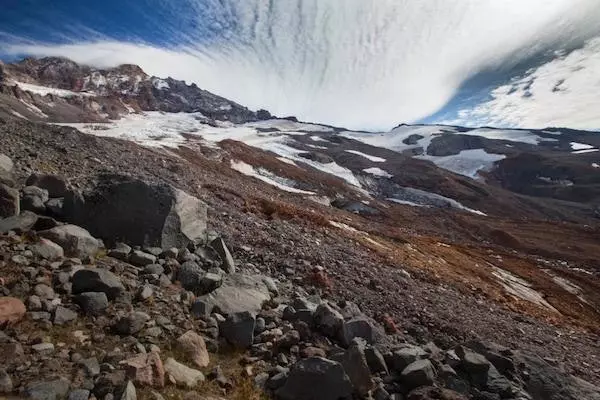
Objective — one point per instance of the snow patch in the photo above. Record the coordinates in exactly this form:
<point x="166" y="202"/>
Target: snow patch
<point x="44" y="90"/>
<point x="520" y="288"/>
<point x="585" y="151"/>
<point x="580" y="146"/>
<point x="407" y="195"/>
<point x="377" y="172"/>
<point x="367" y="156"/>
<point x="267" y="177"/>
<point x="17" y="114"/>
<point x="595" y="165"/>
<point x="160" y="84"/>
<point x="467" y="162"/>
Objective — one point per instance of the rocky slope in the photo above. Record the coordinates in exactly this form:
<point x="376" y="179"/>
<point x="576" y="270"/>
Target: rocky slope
<point x="218" y="259"/>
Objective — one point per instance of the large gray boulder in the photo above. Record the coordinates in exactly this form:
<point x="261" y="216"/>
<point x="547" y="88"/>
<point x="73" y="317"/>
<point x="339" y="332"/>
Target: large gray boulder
<point x="316" y="378"/>
<point x="76" y="241"/>
<point x="237" y="293"/>
<point x="19" y="223"/>
<point x="9" y="201"/>
<point x="138" y="213"/>
<point x="56" y="186"/>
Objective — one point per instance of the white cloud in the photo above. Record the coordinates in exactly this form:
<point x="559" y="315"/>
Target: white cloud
<point x="355" y="63"/>
<point x="564" y="92"/>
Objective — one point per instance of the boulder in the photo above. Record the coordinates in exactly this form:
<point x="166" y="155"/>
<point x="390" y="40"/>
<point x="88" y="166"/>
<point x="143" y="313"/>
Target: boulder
<point x="48" y="250"/>
<point x="137" y="212"/>
<point x="418" y="373"/>
<point x="120" y="252"/>
<point x="359" y="327"/>
<point x="79" y="394"/>
<point x="11" y="310"/>
<point x="145" y="370"/>
<point x="76" y="241"/>
<point x="52" y="390"/>
<point x="55" y="207"/>
<point x="316" y="378"/>
<point x="129" y="393"/>
<point x="97" y="280"/>
<point x="54" y="185"/>
<point x="181" y="375"/>
<point x="403" y="357"/>
<point x="328" y="320"/>
<point x="6" y="171"/>
<point x="357" y="368"/>
<point x="238" y="329"/>
<point x="190" y="275"/>
<point x="19" y="223"/>
<point x="33" y="199"/>
<point x="227" y="260"/>
<point x="237" y="293"/>
<point x="9" y="201"/>
<point x="193" y="345"/>
<point x="132" y="323"/>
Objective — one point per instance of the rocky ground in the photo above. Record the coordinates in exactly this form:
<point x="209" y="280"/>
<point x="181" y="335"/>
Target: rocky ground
<point x="271" y="301"/>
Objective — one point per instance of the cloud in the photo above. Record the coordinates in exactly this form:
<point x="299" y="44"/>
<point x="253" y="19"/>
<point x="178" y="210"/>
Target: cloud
<point x="366" y="64"/>
<point x="564" y="92"/>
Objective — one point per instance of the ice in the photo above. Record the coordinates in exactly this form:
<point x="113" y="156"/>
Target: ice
<point x="585" y="151"/>
<point x="44" y="90"/>
<point x="467" y="162"/>
<point x="378" y="172"/>
<point x="367" y="156"/>
<point x="289" y="126"/>
<point x="267" y="177"/>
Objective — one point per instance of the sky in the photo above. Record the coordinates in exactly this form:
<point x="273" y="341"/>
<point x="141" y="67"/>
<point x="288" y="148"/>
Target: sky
<point x="360" y="64"/>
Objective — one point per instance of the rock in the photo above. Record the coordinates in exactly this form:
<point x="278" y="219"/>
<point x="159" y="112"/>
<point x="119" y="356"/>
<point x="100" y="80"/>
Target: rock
<point x="97" y="280"/>
<point x="328" y="320"/>
<point x="55" y="207"/>
<point x="237" y="293"/>
<point x="227" y="260"/>
<point x="9" y="202"/>
<point x="209" y="283"/>
<point x="193" y="345"/>
<point x="138" y="213"/>
<point x="145" y="370"/>
<point x="356" y="367"/>
<point x="418" y="373"/>
<point x="33" y="199"/>
<point x="79" y="394"/>
<point x="316" y="378"/>
<point x="6" y="170"/>
<point x="43" y="348"/>
<point x="52" y="390"/>
<point x="129" y="393"/>
<point x="238" y="329"/>
<point x="90" y="366"/>
<point x="34" y="303"/>
<point x="19" y="223"/>
<point x="11" y="310"/>
<point x="44" y="292"/>
<point x="54" y="185"/>
<point x="92" y="303"/>
<point x="132" y="323"/>
<point x="472" y="362"/>
<point x="63" y="315"/>
<point x="359" y="327"/>
<point x="154" y="269"/>
<point x="376" y="361"/>
<point x="6" y="384"/>
<point x="190" y="275"/>
<point x="182" y="375"/>
<point x="403" y="357"/>
<point x="120" y="252"/>
<point x="76" y="241"/>
<point x="48" y="250"/>
<point x="45" y="223"/>
<point x="145" y="292"/>
<point x="141" y="259"/>
<point x="497" y="383"/>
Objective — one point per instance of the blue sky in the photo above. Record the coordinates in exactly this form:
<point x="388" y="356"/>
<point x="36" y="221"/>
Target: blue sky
<point x="365" y="64"/>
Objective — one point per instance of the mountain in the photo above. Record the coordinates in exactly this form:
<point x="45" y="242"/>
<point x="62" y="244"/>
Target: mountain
<point x="471" y="250"/>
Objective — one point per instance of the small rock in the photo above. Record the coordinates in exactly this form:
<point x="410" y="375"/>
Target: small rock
<point x="52" y="390"/>
<point x="328" y="320"/>
<point x="54" y="185"/>
<point x="316" y="378"/>
<point x="154" y="269"/>
<point x="91" y="366"/>
<point x="56" y="206"/>
<point x="359" y="327"/>
<point x="129" y="393"/>
<point x="97" y="280"/>
<point x="405" y="356"/>
<point x="132" y="323"/>
<point x="221" y="248"/>
<point x="92" y="303"/>
<point x="419" y="373"/>
<point x="19" y="223"/>
<point x="63" y="315"/>
<point x="79" y="394"/>
<point x="195" y="347"/>
<point x="11" y="310"/>
<point x="43" y="348"/>
<point x="6" y="384"/>
<point x="238" y="329"/>
<point x="145" y="370"/>
<point x="141" y="259"/>
<point x="120" y="252"/>
<point x="44" y="292"/>
<point x="74" y="240"/>
<point x="145" y="292"/>
<point x="9" y="202"/>
<point x="182" y="375"/>
<point x="34" y="303"/>
<point x="48" y="250"/>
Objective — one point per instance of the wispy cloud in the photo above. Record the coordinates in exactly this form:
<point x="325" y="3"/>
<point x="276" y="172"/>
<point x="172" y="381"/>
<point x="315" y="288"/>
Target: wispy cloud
<point x="356" y="63"/>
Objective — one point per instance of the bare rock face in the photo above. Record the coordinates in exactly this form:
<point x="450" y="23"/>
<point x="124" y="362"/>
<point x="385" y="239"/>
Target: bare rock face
<point x="138" y="213"/>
